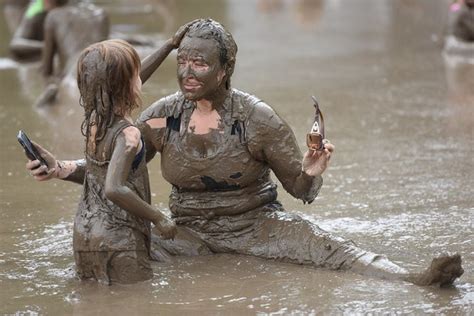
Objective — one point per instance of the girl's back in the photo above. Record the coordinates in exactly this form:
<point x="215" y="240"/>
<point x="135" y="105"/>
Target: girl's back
<point x="101" y="225"/>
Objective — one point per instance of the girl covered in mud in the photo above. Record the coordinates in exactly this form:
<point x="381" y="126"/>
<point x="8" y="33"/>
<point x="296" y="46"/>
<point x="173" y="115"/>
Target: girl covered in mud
<point x="112" y="226"/>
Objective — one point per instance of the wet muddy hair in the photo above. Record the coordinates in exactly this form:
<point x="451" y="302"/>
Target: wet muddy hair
<point x="106" y="73"/>
<point x="210" y="29"/>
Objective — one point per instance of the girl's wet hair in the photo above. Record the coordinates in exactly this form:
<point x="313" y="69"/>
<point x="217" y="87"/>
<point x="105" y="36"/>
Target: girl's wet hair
<point x="106" y="73"/>
<point x="210" y="29"/>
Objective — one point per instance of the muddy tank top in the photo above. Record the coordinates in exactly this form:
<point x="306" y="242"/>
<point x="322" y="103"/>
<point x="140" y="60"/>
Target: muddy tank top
<point x="100" y="225"/>
<point x="226" y="176"/>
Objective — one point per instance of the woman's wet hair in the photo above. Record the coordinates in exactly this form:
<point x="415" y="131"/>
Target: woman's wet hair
<point x="106" y="74"/>
<point x="210" y="29"/>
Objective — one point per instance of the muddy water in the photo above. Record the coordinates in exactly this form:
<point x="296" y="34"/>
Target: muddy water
<point x="400" y="183"/>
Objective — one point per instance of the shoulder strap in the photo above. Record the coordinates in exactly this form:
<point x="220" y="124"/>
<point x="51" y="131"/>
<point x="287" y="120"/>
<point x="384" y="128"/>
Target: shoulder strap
<point x="243" y="104"/>
<point x="111" y="137"/>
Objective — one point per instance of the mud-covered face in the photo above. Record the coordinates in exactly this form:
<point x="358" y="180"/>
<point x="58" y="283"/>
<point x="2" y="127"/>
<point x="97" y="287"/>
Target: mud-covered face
<point x="200" y="73"/>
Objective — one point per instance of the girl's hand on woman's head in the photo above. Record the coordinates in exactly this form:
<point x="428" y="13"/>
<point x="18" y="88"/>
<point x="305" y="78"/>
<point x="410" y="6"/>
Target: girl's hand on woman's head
<point x="176" y="40"/>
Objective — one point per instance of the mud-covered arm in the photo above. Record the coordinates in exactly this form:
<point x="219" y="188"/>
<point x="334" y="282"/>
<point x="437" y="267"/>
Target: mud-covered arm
<point x="72" y="170"/>
<point x="116" y="190"/>
<point x="152" y="125"/>
<point x="153" y="61"/>
<point x="271" y="140"/>
<point x="120" y="166"/>
<point x="151" y="138"/>
<point x="25" y="42"/>
<point x="49" y="49"/>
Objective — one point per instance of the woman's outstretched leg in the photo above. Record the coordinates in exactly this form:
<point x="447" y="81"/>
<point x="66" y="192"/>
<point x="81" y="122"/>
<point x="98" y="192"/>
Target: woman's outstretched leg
<point x="274" y="234"/>
<point x="442" y="271"/>
<point x="289" y="237"/>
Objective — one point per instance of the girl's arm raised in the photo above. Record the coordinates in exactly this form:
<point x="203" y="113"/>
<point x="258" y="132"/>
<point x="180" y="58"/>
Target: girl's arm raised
<point x="153" y="61"/>
<point x="116" y="190"/>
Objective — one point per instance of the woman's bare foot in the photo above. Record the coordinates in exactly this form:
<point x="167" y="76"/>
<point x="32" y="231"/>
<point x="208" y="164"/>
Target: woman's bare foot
<point x="443" y="271"/>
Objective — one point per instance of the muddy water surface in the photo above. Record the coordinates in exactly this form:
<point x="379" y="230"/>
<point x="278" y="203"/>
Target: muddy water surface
<point x="401" y="181"/>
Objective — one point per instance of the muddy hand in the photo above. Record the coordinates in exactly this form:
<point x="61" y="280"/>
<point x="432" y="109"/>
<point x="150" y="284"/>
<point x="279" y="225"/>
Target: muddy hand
<point x="41" y="172"/>
<point x="166" y="228"/>
<point x="176" y="40"/>
<point x="315" y="162"/>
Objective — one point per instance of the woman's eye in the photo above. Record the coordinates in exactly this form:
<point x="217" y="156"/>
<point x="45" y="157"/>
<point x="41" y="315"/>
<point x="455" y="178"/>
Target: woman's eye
<point x="200" y="64"/>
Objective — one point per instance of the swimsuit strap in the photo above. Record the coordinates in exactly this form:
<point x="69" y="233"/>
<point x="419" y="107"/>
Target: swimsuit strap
<point x="139" y="156"/>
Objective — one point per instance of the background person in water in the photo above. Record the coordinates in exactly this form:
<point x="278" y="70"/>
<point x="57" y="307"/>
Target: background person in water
<point x="13" y="12"/>
<point x="462" y="21"/>
<point x="217" y="147"/>
<point x="67" y="31"/>
<point x="27" y="41"/>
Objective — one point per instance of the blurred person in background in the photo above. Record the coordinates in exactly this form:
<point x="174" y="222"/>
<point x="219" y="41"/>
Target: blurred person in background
<point x="13" y="11"/>
<point x="462" y="22"/>
<point x="460" y="38"/>
<point x="27" y="41"/>
<point x="68" y="30"/>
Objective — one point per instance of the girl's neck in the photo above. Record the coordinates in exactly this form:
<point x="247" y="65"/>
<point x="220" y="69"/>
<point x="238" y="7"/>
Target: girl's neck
<point x="127" y="117"/>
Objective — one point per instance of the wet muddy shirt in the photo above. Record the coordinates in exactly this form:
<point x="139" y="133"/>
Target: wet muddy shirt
<point x="100" y="225"/>
<point x="226" y="171"/>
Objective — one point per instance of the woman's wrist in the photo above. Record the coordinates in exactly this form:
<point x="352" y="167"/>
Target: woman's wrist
<point x="305" y="175"/>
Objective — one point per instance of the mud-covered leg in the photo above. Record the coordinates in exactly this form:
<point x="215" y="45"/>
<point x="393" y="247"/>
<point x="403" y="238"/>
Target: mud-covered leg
<point x="185" y="243"/>
<point x="289" y="237"/>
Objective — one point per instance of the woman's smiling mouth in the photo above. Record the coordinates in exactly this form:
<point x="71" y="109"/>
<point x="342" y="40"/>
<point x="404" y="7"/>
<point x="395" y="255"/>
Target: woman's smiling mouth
<point x="191" y="84"/>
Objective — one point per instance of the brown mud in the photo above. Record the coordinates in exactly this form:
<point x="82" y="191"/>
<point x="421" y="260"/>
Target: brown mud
<point x="384" y="91"/>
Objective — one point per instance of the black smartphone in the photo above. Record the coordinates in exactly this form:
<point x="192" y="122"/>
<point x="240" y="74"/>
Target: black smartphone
<point x="30" y="149"/>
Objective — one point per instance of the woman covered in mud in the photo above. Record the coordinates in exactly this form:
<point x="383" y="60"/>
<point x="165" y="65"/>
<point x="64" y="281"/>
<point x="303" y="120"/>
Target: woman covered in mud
<point x="218" y="146"/>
